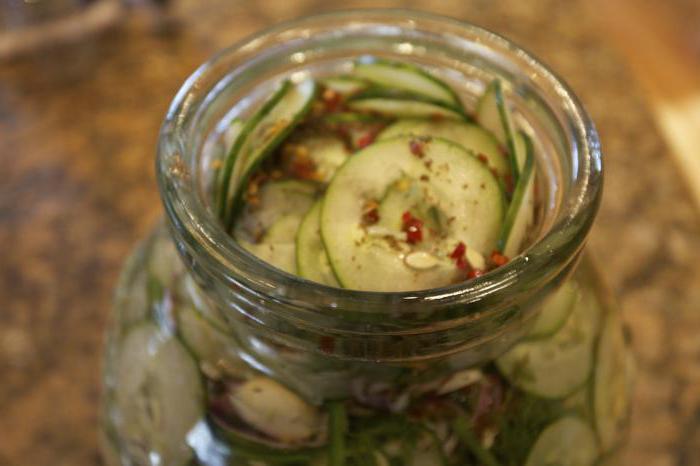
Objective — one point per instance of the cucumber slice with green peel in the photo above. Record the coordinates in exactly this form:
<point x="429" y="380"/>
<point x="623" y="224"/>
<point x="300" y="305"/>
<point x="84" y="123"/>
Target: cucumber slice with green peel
<point x="469" y="136"/>
<point x="452" y="180"/>
<point x="160" y="396"/>
<point x="521" y="211"/>
<point x="233" y="162"/>
<point x="266" y="134"/>
<point x="311" y="258"/>
<point x="351" y="117"/>
<point x="406" y="77"/>
<point x="277" y="199"/>
<point x="280" y="255"/>
<point x="208" y="343"/>
<point x="568" y="441"/>
<point x="164" y="263"/>
<point x="277" y="247"/>
<point x="611" y="392"/>
<point x="345" y="85"/>
<point x="492" y="113"/>
<point x="193" y="295"/>
<point x="407" y="195"/>
<point x="555" y="311"/>
<point x="268" y="230"/>
<point x="327" y="154"/>
<point x="520" y="147"/>
<point x="400" y="105"/>
<point x="228" y="140"/>
<point x="557" y="366"/>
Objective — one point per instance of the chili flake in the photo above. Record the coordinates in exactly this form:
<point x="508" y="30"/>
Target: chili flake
<point x="462" y="263"/>
<point x="473" y="273"/>
<point x="331" y="99"/>
<point x="483" y="158"/>
<point x="498" y="259"/>
<point x="459" y="251"/>
<point x="417" y="148"/>
<point x="366" y="139"/>
<point x="370" y="217"/>
<point x="413" y="228"/>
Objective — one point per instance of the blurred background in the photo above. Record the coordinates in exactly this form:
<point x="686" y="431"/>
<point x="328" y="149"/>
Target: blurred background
<point x="84" y="85"/>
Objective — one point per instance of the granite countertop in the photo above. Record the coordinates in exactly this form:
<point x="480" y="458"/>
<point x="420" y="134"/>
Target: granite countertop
<point x="78" y="127"/>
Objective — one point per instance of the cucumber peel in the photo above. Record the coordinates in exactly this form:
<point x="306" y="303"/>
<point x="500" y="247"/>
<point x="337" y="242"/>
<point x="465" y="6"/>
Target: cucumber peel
<point x="557" y="366"/>
<point x="406" y="77"/>
<point x="521" y="210"/>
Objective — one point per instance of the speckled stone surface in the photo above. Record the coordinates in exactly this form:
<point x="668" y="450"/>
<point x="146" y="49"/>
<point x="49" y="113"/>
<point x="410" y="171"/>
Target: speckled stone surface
<point x="78" y="128"/>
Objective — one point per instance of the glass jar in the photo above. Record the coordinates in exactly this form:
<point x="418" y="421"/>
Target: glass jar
<point x="216" y="358"/>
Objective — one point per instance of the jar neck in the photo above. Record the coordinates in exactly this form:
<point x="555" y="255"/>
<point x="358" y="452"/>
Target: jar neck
<point x="476" y="319"/>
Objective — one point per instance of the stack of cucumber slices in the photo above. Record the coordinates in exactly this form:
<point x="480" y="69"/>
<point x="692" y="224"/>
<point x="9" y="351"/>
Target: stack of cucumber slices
<point x="378" y="180"/>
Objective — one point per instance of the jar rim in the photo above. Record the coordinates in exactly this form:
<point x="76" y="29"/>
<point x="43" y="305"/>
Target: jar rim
<point x="539" y="264"/>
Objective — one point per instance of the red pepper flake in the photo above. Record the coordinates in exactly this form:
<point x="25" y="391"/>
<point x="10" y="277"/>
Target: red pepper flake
<point x="366" y="139"/>
<point x="459" y="255"/>
<point x="459" y="251"/>
<point x="483" y="158"/>
<point x="303" y="168"/>
<point x="437" y="117"/>
<point x="498" y="259"/>
<point x="370" y="217"/>
<point x="417" y="148"/>
<point x="326" y="344"/>
<point x="413" y="228"/>
<point x="461" y="263"/>
<point x="473" y="273"/>
<point x="332" y="99"/>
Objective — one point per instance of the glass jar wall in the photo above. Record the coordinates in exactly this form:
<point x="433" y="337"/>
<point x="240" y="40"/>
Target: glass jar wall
<point x="214" y="357"/>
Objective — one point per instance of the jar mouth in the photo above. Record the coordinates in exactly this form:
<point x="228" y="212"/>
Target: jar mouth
<point x="198" y="229"/>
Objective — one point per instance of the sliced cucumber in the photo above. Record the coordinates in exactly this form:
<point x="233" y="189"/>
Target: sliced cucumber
<point x="521" y="211"/>
<point x="277" y="199"/>
<point x="233" y="162"/>
<point x="208" y="343"/>
<point x="345" y="85"/>
<point x="280" y="255"/>
<point x="223" y="147"/>
<point x="555" y="367"/>
<point x="164" y="263"/>
<point x="555" y="311"/>
<point x="566" y="442"/>
<point x="351" y="117"/>
<point x="327" y="154"/>
<point x="452" y="181"/>
<point x="268" y="230"/>
<point x="520" y="146"/>
<point x="611" y="392"/>
<point x="469" y="136"/>
<point x="406" y="77"/>
<point x="492" y="113"/>
<point x="406" y="195"/>
<point x="311" y="258"/>
<point x="399" y="105"/>
<point x="160" y="397"/>
<point x="277" y="247"/>
<point x="192" y="294"/>
<point x="266" y="133"/>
